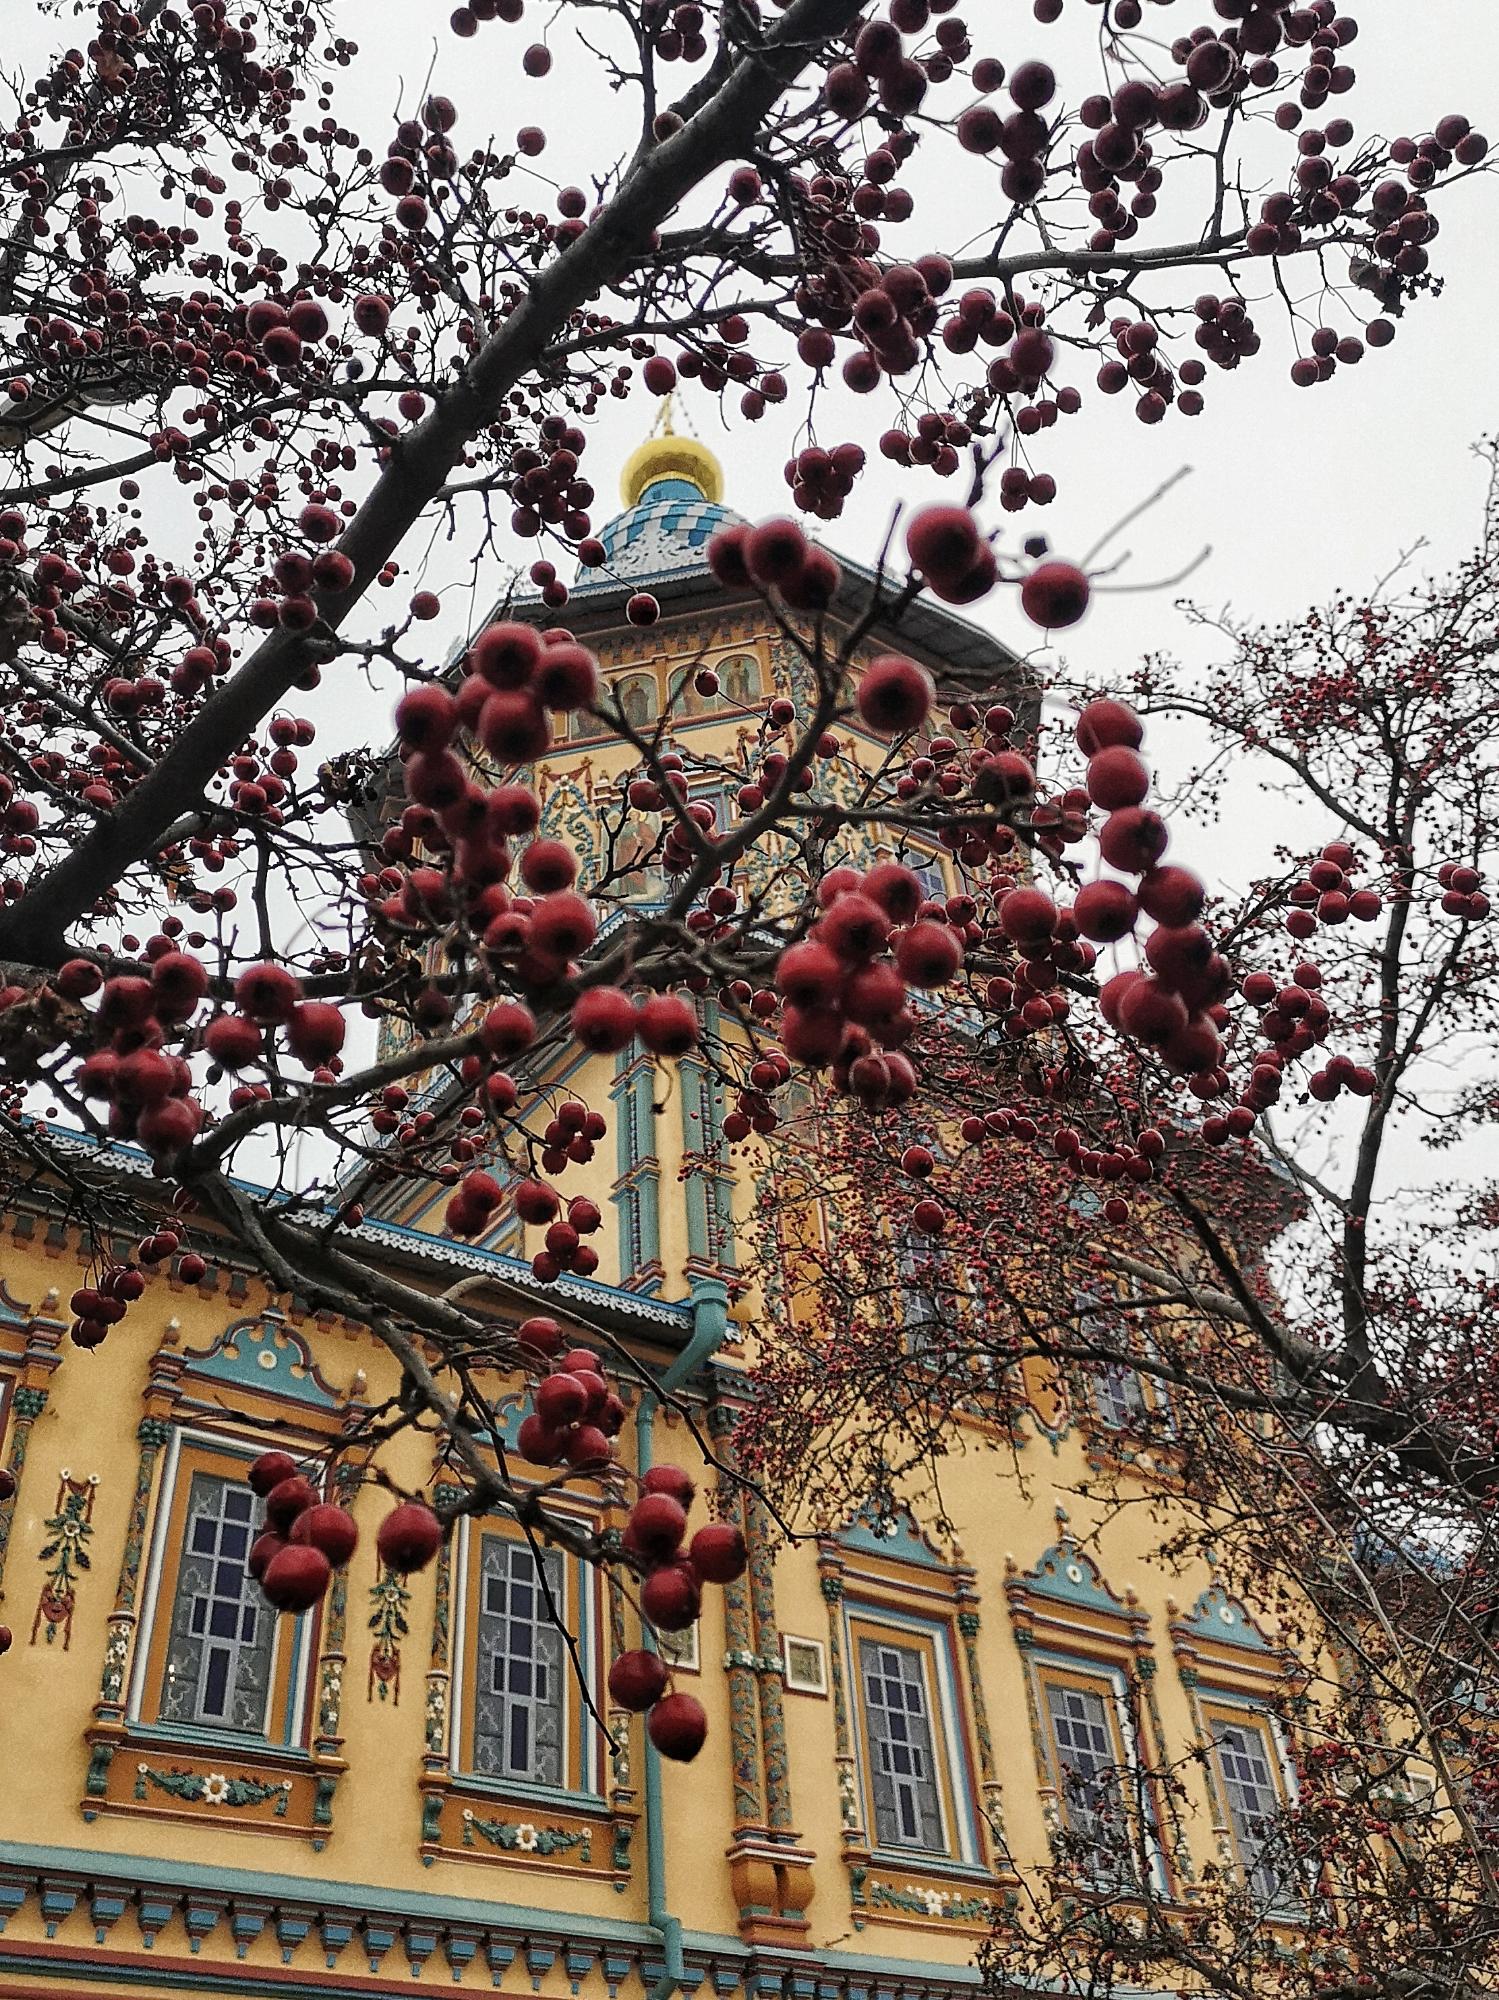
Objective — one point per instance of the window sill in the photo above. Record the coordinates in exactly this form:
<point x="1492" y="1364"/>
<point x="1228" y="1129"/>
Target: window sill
<point x="911" y="1889"/>
<point x="517" y="1792"/>
<point x="535" y="1826"/>
<point x="156" y="1772"/>
<point x="923" y="1861"/>
<point x="208" y="1742"/>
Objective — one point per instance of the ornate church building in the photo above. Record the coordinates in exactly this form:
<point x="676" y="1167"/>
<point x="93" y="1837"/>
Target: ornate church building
<point x="403" y="1791"/>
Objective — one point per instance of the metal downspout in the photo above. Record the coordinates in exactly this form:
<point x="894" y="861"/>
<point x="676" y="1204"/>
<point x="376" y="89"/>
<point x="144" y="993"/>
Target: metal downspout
<point x="710" y="1322"/>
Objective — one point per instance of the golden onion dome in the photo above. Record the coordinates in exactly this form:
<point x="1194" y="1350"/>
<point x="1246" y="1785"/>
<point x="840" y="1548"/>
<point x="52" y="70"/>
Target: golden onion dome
<point x="670" y="458"/>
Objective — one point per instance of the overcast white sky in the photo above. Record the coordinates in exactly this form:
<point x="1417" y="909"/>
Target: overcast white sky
<point x="1296" y="492"/>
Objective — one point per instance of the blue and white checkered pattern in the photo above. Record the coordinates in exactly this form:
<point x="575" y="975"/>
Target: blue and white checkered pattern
<point x="666" y="532"/>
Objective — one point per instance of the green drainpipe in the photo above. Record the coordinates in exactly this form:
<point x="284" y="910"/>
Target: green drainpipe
<point x="710" y="1322"/>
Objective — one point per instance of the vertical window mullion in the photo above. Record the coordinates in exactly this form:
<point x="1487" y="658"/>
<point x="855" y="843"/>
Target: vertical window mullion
<point x="1087" y="1762"/>
<point x="221" y="1636"/>
<point x="906" y="1795"/>
<point x="518" y="1694"/>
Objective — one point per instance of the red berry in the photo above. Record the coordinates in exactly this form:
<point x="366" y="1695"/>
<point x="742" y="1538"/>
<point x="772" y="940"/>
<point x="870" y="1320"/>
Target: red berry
<point x="540" y="1335"/>
<point x="928" y="954"/>
<point x="1172" y="896"/>
<point x="409" y="1537"/>
<point x="296" y="1577"/>
<point x="1055" y="594"/>
<point x="588" y="1448"/>
<point x="269" y="1470"/>
<point x="895" y="696"/>
<point x="670" y="1597"/>
<point x="330" y="1529"/>
<point x="717" y="1553"/>
<point x="1105" y="911"/>
<point x="670" y="1479"/>
<point x="561" y="1400"/>
<point x="536" y="1444"/>
<point x="267" y="992"/>
<point x="657" y="1524"/>
<point x="315" y="1032"/>
<point x="1117" y="777"/>
<point x="667" y="1025"/>
<point x="1028" y="916"/>
<point x="637" y="1680"/>
<point x="603" y="1020"/>
<point x="678" y="1726"/>
<point x="287" y="1500"/>
<point x="262" y="1549"/>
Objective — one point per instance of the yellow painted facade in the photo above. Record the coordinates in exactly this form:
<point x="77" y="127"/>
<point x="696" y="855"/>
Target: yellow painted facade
<point x="347" y="1844"/>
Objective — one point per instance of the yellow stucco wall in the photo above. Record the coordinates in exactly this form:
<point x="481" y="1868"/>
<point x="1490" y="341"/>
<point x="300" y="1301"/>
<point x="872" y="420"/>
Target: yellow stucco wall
<point x="88" y="1429"/>
<point x="827" y="1893"/>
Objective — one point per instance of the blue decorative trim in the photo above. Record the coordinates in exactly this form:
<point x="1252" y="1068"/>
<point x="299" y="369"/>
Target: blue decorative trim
<point x="1069" y="1576"/>
<point x="263" y="1354"/>
<point x="895" y="1536"/>
<point x="1220" y="1617"/>
<point x="588" y="1293"/>
<point x="412" y="1925"/>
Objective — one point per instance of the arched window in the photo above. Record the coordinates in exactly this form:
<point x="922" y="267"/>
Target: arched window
<point x="639" y="699"/>
<point x="687" y="705"/>
<point x="739" y="680"/>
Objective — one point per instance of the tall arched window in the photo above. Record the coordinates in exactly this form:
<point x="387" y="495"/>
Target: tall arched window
<point x="639" y="699"/>
<point x="739" y="680"/>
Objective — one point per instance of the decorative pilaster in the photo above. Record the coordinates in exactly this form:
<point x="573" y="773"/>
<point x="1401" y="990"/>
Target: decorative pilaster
<point x="739" y="1655"/>
<point x="327" y="1740"/>
<point x="152" y="1433"/>
<point x="843" y="1740"/>
<point x="439" y="1669"/>
<point x="621" y="1777"/>
<point x="989" y="1785"/>
<point x="436" y="1710"/>
<point x="770" y="1872"/>
<point x="768" y="1670"/>
<point x="26" y="1405"/>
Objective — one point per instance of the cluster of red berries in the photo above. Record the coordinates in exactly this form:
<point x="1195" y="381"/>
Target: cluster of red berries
<point x="258" y="786"/>
<point x="752" y="1110"/>
<point x="1296" y="1019"/>
<point x="676" y="31"/>
<point x="844" y="986"/>
<point x="515" y="676"/>
<point x="574" y="1414"/>
<point x="891" y="318"/>
<point x="148" y="1090"/>
<point x="671" y="1600"/>
<point x="306" y="1538"/>
<point x="98" y="1307"/>
<point x="936" y="442"/>
<point x="956" y="563"/>
<point x="821" y="480"/>
<point x="1143" y="367"/>
<point x="776" y="556"/>
<point x="472" y="1208"/>
<point x="269" y="997"/>
<point x="1462" y="892"/>
<point x="1225" y="332"/>
<point x="1024" y="136"/>
<point x="1174" y="1004"/>
<point x="545" y="485"/>
<point x="1327" y="894"/>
